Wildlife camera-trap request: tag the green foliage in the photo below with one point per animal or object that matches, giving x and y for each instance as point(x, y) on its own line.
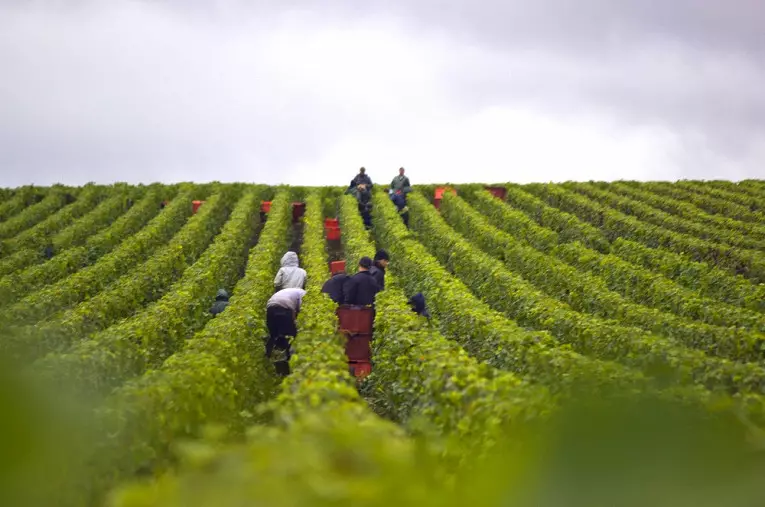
point(85, 231)
point(485, 333)
point(689, 212)
point(590, 294)
point(97, 365)
point(94, 278)
point(56, 198)
point(608, 340)
point(714, 201)
point(709, 281)
point(614, 224)
point(22, 197)
point(145, 284)
point(516, 222)
point(666, 220)
point(218, 376)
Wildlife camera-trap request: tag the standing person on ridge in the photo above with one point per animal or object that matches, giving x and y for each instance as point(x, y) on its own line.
point(400, 184)
point(361, 288)
point(361, 179)
point(378, 269)
point(290, 275)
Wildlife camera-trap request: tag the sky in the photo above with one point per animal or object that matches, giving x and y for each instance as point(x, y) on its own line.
point(305, 93)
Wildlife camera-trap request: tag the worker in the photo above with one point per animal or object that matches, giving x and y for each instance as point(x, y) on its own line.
point(364, 198)
point(361, 288)
point(362, 179)
point(221, 302)
point(403, 210)
point(281, 313)
point(290, 275)
point(49, 251)
point(334, 287)
point(378, 269)
point(400, 184)
point(417, 302)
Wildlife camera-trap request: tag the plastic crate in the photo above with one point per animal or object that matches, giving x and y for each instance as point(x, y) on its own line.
point(360, 369)
point(357, 348)
point(355, 320)
point(336, 267)
point(440, 191)
point(298, 210)
point(498, 192)
point(333, 233)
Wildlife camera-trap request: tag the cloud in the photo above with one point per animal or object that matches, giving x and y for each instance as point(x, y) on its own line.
point(287, 92)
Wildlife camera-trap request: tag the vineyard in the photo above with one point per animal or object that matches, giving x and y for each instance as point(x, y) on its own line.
point(647, 297)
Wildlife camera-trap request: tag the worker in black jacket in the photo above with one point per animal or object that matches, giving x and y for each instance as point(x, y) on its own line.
point(378, 270)
point(361, 288)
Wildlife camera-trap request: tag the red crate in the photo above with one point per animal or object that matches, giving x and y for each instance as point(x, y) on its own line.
point(332, 232)
point(336, 267)
point(498, 192)
point(195, 206)
point(357, 348)
point(441, 190)
point(331, 222)
point(265, 206)
point(355, 320)
point(298, 210)
point(361, 369)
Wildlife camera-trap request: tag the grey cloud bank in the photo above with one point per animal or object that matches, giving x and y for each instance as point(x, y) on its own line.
point(470, 91)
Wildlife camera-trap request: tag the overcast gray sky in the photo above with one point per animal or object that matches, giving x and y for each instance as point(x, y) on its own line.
point(290, 92)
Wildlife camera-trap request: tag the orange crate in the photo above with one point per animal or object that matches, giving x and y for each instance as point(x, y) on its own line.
point(357, 348)
point(360, 369)
point(355, 320)
point(333, 232)
point(298, 210)
point(441, 190)
point(336, 267)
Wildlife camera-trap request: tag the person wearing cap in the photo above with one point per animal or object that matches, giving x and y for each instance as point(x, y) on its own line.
point(378, 269)
point(362, 179)
point(361, 288)
point(417, 302)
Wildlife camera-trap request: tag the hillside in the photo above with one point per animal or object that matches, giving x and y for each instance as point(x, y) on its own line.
point(539, 294)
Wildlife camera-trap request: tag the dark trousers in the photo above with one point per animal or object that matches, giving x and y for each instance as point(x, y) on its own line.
point(280, 322)
point(280, 325)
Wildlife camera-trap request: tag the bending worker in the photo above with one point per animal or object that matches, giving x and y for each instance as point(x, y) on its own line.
point(281, 314)
point(290, 275)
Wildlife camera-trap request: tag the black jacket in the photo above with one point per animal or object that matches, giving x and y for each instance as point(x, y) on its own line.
point(378, 273)
point(334, 287)
point(360, 289)
point(221, 302)
point(360, 179)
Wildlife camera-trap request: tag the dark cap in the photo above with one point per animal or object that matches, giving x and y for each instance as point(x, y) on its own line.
point(365, 262)
point(382, 255)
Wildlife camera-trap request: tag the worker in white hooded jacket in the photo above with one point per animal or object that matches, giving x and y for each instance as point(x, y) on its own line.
point(290, 275)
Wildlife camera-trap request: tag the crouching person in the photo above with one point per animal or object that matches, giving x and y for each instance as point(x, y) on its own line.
point(281, 315)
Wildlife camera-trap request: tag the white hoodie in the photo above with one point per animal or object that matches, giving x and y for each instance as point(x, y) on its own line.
point(290, 276)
